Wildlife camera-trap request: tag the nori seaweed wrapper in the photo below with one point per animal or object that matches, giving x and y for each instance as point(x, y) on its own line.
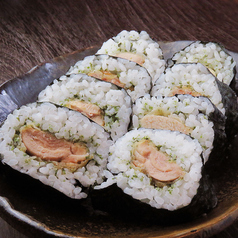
point(114, 201)
point(229, 100)
point(220, 141)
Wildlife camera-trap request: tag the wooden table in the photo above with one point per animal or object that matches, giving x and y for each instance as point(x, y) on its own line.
point(32, 32)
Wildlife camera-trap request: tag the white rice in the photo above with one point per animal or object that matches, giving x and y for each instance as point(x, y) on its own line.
point(128, 72)
point(63, 123)
point(182, 148)
point(193, 112)
point(114, 102)
point(212, 56)
point(140, 44)
point(194, 75)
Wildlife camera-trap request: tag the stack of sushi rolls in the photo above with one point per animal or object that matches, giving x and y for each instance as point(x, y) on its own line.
point(60, 147)
point(124, 73)
point(102, 102)
point(138, 47)
point(196, 79)
point(198, 108)
point(194, 116)
point(137, 135)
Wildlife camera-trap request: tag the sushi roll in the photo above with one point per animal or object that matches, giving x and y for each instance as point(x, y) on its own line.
point(212, 55)
point(137, 47)
point(194, 116)
point(195, 79)
point(158, 170)
point(124, 73)
point(57, 146)
point(102, 102)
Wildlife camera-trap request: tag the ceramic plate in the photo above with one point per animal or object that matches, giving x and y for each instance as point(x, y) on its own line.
point(37, 210)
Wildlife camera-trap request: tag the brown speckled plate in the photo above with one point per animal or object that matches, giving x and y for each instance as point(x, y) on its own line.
point(37, 210)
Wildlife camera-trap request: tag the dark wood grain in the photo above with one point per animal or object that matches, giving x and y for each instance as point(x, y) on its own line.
point(32, 32)
point(36, 31)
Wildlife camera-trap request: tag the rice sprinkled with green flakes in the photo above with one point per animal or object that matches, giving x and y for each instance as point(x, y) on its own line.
point(62, 123)
point(124, 73)
point(192, 112)
point(181, 148)
point(210, 54)
point(192, 76)
point(114, 103)
point(139, 44)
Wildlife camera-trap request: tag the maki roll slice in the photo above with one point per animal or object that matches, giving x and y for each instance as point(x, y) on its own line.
point(194, 116)
point(57, 146)
point(124, 73)
point(137, 47)
point(156, 175)
point(213, 55)
point(102, 102)
point(195, 79)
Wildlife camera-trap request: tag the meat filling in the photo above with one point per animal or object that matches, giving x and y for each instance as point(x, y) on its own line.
point(184, 90)
point(47, 147)
point(139, 59)
point(154, 163)
point(165, 123)
point(106, 76)
point(212, 71)
point(90, 110)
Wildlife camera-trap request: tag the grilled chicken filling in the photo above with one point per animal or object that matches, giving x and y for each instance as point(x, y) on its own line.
point(47, 147)
point(212, 71)
point(155, 163)
point(184, 90)
point(90, 110)
point(106, 76)
point(139, 59)
point(165, 123)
